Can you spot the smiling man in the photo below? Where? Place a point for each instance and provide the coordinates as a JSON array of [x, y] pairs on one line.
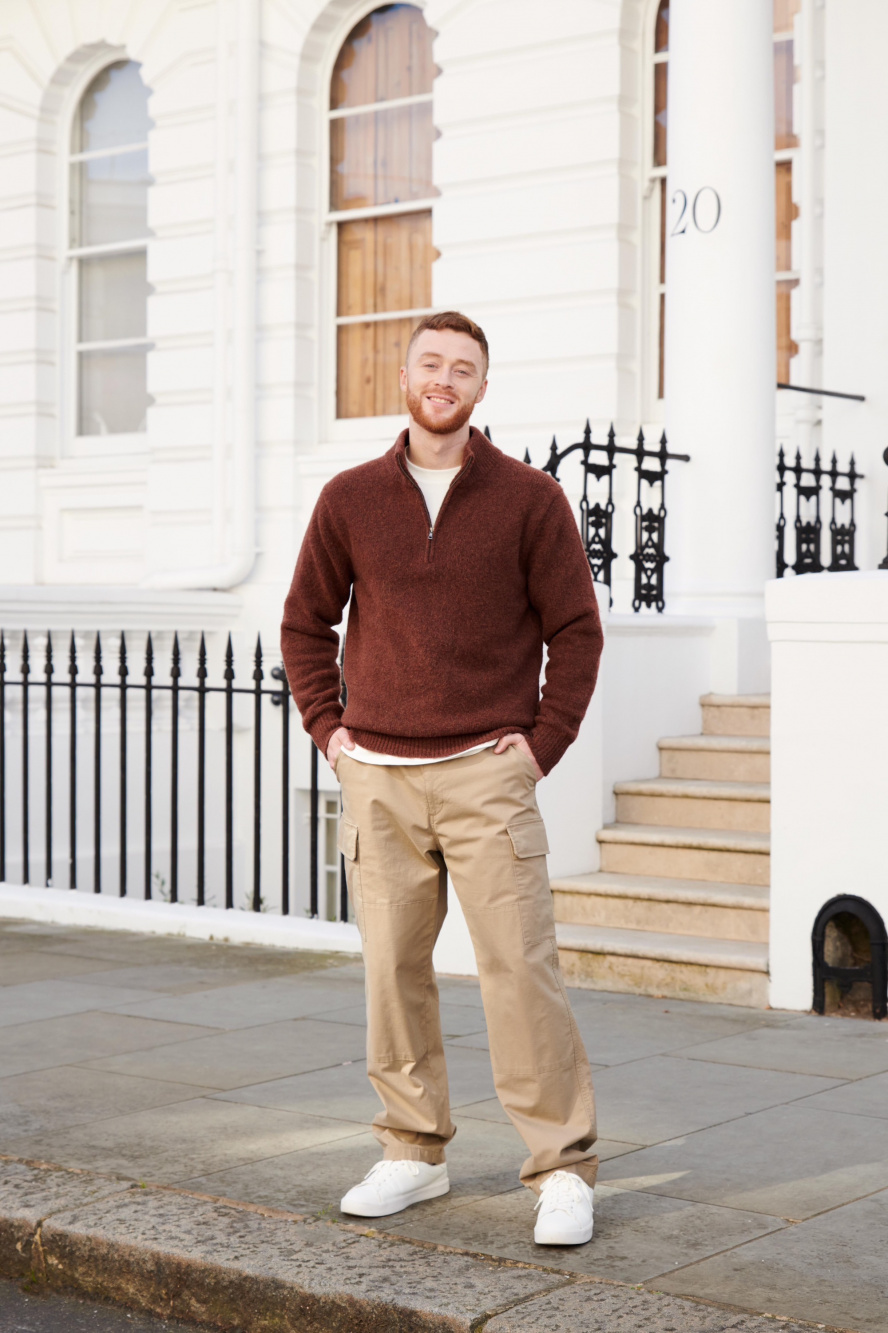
[[458, 564]]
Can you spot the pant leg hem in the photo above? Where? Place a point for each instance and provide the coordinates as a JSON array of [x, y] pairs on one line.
[[587, 1170], [397, 1152]]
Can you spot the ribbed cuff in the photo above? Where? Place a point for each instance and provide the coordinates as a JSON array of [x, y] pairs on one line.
[[547, 747], [322, 729]]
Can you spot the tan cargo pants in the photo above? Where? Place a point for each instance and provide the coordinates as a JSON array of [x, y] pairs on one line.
[[404, 829]]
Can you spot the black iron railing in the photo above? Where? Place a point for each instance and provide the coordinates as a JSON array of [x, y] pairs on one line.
[[83, 704], [599, 464], [807, 483]]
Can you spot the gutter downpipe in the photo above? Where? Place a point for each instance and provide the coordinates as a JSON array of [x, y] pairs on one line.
[[241, 489]]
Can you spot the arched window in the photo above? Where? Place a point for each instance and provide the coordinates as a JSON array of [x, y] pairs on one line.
[[380, 181], [658, 177], [786, 143], [108, 226]]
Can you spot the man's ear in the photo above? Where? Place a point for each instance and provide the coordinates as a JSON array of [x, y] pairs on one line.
[[403, 377], [481, 392]]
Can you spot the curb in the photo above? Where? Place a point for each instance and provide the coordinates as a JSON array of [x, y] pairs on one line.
[[250, 1269]]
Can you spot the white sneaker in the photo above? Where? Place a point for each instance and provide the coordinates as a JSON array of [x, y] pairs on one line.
[[565, 1205], [390, 1186]]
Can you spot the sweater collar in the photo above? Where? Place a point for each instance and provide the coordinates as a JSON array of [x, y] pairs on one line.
[[479, 452]]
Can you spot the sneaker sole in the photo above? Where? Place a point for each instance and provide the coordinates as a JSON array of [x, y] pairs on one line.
[[433, 1191], [565, 1238]]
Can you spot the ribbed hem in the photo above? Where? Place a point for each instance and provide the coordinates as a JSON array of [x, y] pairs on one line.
[[427, 747]]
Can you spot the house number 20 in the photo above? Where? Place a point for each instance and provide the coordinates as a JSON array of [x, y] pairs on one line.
[[705, 211]]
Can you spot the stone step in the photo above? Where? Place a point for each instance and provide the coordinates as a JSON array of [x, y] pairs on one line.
[[695, 803], [645, 962], [731, 856], [716, 758], [736, 714], [657, 903]]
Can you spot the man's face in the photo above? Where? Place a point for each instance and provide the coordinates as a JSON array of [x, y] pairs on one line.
[[444, 378]]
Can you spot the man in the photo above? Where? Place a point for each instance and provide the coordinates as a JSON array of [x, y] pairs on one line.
[[459, 564]]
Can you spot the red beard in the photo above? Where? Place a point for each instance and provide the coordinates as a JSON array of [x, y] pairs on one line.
[[438, 425]]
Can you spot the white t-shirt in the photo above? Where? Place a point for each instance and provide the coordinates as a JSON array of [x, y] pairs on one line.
[[434, 484]]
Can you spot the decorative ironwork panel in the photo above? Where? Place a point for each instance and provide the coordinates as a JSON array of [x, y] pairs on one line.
[[807, 481]]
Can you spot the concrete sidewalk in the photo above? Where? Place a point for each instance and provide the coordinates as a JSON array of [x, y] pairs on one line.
[[744, 1152]]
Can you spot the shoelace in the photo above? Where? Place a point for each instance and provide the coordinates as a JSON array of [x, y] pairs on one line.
[[561, 1191], [381, 1171]]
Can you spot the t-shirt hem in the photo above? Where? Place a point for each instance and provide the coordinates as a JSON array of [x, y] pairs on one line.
[[428, 747]]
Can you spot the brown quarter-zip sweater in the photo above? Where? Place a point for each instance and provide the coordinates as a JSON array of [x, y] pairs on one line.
[[447, 624]]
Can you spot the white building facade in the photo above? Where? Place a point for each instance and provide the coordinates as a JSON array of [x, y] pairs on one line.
[[220, 218]]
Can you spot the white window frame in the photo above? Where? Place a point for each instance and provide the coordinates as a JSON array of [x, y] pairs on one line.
[[788, 155], [71, 444], [651, 176], [352, 429]]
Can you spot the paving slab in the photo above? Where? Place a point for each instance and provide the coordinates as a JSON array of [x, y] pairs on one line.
[[790, 1161], [344, 1090], [637, 1236], [845, 1053], [248, 1005], [28, 1194], [866, 1096], [831, 1269], [484, 1159], [596, 1307], [240, 1269], [33, 1000], [662, 1097], [33, 965], [172, 1143], [52, 1099], [244, 1056], [52, 1042]]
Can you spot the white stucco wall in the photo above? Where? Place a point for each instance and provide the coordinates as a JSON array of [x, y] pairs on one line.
[[829, 779]]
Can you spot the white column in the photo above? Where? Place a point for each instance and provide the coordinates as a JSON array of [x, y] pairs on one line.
[[720, 315]]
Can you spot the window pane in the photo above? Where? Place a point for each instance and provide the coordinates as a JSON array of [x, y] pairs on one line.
[[387, 55], [661, 75], [662, 232], [784, 78], [661, 34], [385, 264], [113, 110], [369, 357], [784, 12], [109, 199], [382, 157], [786, 348], [113, 395], [786, 212], [113, 297]]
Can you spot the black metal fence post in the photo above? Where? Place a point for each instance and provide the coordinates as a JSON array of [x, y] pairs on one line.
[[26, 671], [282, 701], [72, 763], [201, 768], [47, 759], [228, 675], [257, 777], [149, 681], [122, 672], [97, 769], [175, 673], [314, 800]]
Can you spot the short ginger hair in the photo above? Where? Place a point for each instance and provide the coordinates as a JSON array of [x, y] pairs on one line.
[[451, 319]]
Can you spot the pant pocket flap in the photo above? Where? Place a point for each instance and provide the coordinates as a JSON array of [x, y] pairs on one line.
[[348, 840], [529, 838]]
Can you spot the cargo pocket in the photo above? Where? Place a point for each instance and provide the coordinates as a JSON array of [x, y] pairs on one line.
[[530, 847], [348, 845]]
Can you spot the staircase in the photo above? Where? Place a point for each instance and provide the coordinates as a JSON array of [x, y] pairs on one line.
[[679, 907]]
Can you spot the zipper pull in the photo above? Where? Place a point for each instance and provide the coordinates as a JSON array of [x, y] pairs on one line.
[[431, 533]]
